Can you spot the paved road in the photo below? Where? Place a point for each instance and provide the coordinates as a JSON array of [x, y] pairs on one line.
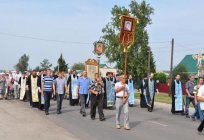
[[20, 122], [158, 125]]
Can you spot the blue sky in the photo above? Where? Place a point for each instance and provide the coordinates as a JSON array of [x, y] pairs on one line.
[[82, 21]]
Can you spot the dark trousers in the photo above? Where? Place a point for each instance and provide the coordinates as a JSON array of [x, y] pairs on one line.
[[105, 100], [60, 98], [30, 98], [87, 100], [82, 102], [188, 101], [97, 101], [201, 126], [143, 103], [47, 96]]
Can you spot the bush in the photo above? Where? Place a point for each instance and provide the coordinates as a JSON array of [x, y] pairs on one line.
[[161, 77]]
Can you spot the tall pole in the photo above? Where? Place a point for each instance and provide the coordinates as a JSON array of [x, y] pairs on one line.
[[171, 65], [125, 66], [99, 64]]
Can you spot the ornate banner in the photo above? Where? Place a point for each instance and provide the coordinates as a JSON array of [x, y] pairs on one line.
[[91, 66], [127, 30], [98, 47]]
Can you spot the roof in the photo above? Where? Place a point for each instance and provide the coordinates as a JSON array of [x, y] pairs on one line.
[[190, 63], [103, 66]]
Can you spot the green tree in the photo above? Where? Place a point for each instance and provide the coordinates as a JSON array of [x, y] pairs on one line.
[[45, 64], [138, 52], [22, 64], [38, 68], [63, 66], [182, 71], [78, 66], [161, 77]]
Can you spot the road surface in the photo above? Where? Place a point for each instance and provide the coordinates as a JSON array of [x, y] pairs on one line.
[[157, 125]]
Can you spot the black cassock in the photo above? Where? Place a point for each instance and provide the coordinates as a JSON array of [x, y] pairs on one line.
[[143, 86], [72, 102]]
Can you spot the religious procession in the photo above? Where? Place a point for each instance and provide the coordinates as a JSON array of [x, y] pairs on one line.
[[127, 70]]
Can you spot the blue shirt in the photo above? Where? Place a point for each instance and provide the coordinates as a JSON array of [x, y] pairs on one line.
[[83, 84], [48, 83], [60, 85]]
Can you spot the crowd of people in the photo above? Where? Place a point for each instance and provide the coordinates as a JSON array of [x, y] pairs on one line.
[[39, 87], [110, 92], [194, 95]]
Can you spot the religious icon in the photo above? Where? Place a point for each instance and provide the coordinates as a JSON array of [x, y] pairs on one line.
[[99, 47], [128, 26], [127, 30], [91, 66]]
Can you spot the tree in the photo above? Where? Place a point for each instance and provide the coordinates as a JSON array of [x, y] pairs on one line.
[[138, 52], [45, 64], [22, 64], [161, 77], [182, 71], [78, 66], [38, 68], [63, 66]]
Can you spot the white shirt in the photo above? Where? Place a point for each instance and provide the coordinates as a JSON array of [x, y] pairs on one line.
[[16, 78], [201, 95], [120, 94]]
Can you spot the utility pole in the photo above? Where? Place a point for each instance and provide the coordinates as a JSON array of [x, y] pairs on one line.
[[171, 65]]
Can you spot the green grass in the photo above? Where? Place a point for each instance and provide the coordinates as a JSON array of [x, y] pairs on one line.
[[161, 97]]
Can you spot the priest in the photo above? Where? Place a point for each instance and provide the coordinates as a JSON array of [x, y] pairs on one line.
[[22, 87], [143, 97], [131, 99], [151, 90], [33, 89], [72, 84], [109, 95], [177, 96]]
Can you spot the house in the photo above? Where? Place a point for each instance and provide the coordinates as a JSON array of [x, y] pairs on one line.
[[104, 69], [190, 64]]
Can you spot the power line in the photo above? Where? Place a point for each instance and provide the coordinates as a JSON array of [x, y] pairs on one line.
[[60, 41], [44, 39], [155, 48]]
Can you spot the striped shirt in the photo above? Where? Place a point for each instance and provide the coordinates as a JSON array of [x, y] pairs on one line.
[[48, 83]]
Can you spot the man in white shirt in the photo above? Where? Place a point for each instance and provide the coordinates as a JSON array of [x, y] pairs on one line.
[[16, 78], [200, 98], [122, 94]]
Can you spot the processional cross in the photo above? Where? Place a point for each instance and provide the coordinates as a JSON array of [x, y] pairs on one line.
[[199, 57]]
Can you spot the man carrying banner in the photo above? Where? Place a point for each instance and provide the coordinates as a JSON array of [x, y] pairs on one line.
[[122, 94], [96, 90]]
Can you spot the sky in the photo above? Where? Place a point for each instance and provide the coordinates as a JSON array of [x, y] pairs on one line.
[[71, 27]]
